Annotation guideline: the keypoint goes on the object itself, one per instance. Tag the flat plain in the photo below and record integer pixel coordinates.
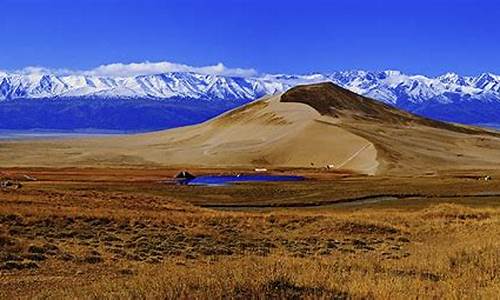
(115, 233)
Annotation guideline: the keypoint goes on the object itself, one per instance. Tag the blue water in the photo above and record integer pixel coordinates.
(219, 180)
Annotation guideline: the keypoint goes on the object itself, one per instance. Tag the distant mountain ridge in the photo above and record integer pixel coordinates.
(449, 97)
(388, 86)
(159, 86)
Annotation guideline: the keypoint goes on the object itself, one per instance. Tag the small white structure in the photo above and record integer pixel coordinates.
(260, 170)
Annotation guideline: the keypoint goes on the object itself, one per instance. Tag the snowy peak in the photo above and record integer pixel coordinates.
(452, 79)
(487, 81)
(160, 86)
(389, 86)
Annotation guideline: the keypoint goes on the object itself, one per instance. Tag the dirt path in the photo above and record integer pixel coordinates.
(354, 155)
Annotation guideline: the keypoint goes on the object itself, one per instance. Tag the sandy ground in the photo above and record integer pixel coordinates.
(266, 133)
(341, 130)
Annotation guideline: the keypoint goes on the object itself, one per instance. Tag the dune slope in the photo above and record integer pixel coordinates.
(308, 126)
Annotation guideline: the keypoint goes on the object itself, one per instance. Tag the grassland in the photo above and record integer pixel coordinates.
(121, 233)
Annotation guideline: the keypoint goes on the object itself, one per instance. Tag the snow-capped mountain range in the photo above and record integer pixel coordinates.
(450, 97)
(389, 86)
(160, 86)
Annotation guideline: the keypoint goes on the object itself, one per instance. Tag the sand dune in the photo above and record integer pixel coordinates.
(309, 126)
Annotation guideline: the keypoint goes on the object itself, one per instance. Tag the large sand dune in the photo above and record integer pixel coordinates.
(309, 126)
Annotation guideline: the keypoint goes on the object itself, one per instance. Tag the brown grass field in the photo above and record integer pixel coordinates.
(122, 234)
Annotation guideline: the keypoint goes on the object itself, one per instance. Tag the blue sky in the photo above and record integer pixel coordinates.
(424, 36)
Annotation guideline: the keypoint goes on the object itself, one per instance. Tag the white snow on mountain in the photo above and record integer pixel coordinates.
(392, 87)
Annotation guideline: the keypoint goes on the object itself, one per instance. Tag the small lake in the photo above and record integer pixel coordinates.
(221, 180)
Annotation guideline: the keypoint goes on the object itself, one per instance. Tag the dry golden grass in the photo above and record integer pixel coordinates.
(120, 240)
(452, 253)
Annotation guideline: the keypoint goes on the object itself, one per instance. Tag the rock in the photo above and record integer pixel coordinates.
(184, 175)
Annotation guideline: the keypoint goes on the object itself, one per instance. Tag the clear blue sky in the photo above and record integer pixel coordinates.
(419, 36)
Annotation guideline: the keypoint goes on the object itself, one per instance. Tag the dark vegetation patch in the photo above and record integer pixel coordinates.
(18, 265)
(284, 288)
(64, 238)
(424, 275)
(356, 227)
